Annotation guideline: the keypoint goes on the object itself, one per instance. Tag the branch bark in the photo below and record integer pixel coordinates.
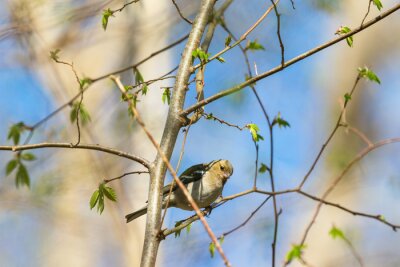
(170, 134)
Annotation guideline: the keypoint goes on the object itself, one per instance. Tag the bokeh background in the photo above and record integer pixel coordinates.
(51, 224)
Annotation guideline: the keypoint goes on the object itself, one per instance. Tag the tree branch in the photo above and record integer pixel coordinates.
(288, 63)
(118, 153)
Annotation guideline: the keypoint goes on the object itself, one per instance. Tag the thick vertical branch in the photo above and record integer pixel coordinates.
(170, 134)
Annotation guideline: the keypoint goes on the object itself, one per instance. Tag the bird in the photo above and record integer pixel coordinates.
(204, 182)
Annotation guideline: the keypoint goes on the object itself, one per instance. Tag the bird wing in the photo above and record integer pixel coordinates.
(190, 175)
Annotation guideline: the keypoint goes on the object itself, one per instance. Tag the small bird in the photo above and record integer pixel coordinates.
(203, 181)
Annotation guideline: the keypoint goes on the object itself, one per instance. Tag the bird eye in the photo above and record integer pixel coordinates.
(222, 167)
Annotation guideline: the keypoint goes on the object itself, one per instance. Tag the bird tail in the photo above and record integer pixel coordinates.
(130, 217)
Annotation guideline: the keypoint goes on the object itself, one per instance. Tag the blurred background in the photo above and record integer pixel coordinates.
(51, 224)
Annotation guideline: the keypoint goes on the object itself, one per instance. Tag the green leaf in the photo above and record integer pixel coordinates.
(166, 96)
(145, 89)
(221, 239)
(85, 81)
(11, 165)
(211, 248)
(344, 30)
(228, 40)
(22, 177)
(54, 54)
(200, 54)
(15, 132)
(100, 204)
(188, 228)
(381, 217)
(336, 232)
(84, 115)
(280, 121)
(28, 156)
(378, 4)
(254, 46)
(347, 97)
(254, 132)
(128, 87)
(178, 232)
(221, 59)
(369, 74)
(106, 14)
(349, 41)
(94, 198)
(295, 252)
(138, 76)
(110, 193)
(263, 168)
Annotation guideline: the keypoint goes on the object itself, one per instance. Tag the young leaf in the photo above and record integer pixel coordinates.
(221, 239)
(54, 54)
(27, 156)
(84, 115)
(85, 81)
(188, 228)
(280, 121)
(254, 132)
(369, 74)
(15, 132)
(343, 30)
(228, 40)
(254, 46)
(211, 248)
(263, 168)
(22, 177)
(110, 193)
(100, 204)
(221, 59)
(94, 199)
(378, 4)
(295, 252)
(166, 96)
(336, 232)
(11, 165)
(106, 14)
(347, 97)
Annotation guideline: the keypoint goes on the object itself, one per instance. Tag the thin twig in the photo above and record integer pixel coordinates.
(123, 175)
(336, 181)
(366, 14)
(125, 5)
(248, 218)
(180, 13)
(287, 63)
(335, 128)
(119, 153)
(210, 116)
(278, 32)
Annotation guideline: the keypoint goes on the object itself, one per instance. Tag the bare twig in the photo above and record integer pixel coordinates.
(366, 14)
(180, 13)
(278, 32)
(123, 175)
(287, 63)
(137, 64)
(210, 116)
(119, 153)
(336, 181)
(125, 5)
(335, 128)
(248, 218)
